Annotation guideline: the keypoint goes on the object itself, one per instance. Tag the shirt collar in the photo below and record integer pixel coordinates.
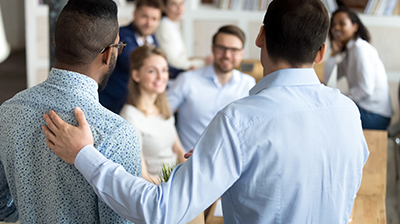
(287, 77)
(168, 20)
(74, 81)
(139, 40)
(351, 43)
(209, 72)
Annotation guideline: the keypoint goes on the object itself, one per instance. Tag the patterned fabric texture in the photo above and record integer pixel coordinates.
(44, 188)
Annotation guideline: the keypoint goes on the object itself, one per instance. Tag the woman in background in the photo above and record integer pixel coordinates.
(366, 75)
(148, 110)
(170, 40)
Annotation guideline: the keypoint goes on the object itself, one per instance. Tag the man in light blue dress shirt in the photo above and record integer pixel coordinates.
(292, 152)
(35, 185)
(198, 95)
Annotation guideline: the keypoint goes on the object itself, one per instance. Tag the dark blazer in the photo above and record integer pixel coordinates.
(115, 94)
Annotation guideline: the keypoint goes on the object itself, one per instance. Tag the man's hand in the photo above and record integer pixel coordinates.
(64, 139)
(189, 154)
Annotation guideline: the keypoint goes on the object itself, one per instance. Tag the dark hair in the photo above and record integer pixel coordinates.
(157, 4)
(83, 29)
(136, 61)
(295, 30)
(233, 30)
(362, 31)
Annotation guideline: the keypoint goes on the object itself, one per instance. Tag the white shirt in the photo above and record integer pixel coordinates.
(366, 75)
(169, 39)
(198, 96)
(292, 152)
(149, 40)
(157, 136)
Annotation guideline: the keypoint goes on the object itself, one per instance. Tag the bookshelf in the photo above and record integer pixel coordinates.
(200, 22)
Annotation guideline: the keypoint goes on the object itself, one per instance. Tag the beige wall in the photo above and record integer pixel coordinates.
(14, 22)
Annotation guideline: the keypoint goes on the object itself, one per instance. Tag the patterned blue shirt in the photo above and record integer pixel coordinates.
(34, 181)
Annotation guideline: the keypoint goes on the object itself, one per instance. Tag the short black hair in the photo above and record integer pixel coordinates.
(362, 31)
(233, 30)
(157, 4)
(83, 29)
(295, 30)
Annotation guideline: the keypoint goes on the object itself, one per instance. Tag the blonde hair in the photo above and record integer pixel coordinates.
(136, 61)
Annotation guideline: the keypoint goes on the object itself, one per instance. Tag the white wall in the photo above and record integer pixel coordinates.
(14, 22)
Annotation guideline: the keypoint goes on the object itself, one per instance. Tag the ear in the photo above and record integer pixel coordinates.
(320, 54)
(134, 14)
(135, 75)
(260, 40)
(107, 56)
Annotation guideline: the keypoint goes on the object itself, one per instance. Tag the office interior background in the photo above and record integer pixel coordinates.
(26, 25)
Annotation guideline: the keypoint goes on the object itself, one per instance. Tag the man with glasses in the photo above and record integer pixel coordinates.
(146, 18)
(35, 185)
(198, 95)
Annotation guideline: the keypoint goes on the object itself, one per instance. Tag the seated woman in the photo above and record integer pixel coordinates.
(366, 75)
(148, 110)
(170, 40)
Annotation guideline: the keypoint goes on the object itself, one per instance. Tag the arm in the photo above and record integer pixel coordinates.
(150, 178)
(214, 166)
(364, 75)
(177, 92)
(177, 148)
(8, 211)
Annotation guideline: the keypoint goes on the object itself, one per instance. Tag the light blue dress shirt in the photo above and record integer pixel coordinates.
(292, 152)
(198, 96)
(42, 187)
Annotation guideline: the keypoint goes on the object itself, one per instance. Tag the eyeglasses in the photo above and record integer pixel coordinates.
(219, 49)
(121, 46)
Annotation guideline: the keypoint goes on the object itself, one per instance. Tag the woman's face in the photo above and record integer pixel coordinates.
(342, 28)
(152, 77)
(174, 9)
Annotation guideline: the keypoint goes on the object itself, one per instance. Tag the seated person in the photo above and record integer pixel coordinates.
(148, 110)
(170, 39)
(201, 93)
(366, 75)
(146, 18)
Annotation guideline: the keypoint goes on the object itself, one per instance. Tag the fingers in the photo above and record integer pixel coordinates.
(189, 154)
(50, 123)
(80, 116)
(58, 122)
(50, 137)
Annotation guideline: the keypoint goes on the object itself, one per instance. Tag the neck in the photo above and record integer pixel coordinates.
(273, 67)
(84, 70)
(146, 104)
(223, 77)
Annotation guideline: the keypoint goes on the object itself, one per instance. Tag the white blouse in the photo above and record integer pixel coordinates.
(169, 39)
(157, 136)
(366, 76)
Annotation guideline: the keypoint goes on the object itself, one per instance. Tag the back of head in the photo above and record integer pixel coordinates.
(233, 30)
(83, 29)
(295, 30)
(362, 31)
(157, 4)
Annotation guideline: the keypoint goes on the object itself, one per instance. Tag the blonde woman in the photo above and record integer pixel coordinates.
(148, 110)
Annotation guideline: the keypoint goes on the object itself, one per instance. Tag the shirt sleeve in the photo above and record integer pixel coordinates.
(177, 92)
(364, 76)
(121, 147)
(213, 168)
(8, 211)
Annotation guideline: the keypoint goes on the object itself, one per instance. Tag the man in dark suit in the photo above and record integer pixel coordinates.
(146, 18)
